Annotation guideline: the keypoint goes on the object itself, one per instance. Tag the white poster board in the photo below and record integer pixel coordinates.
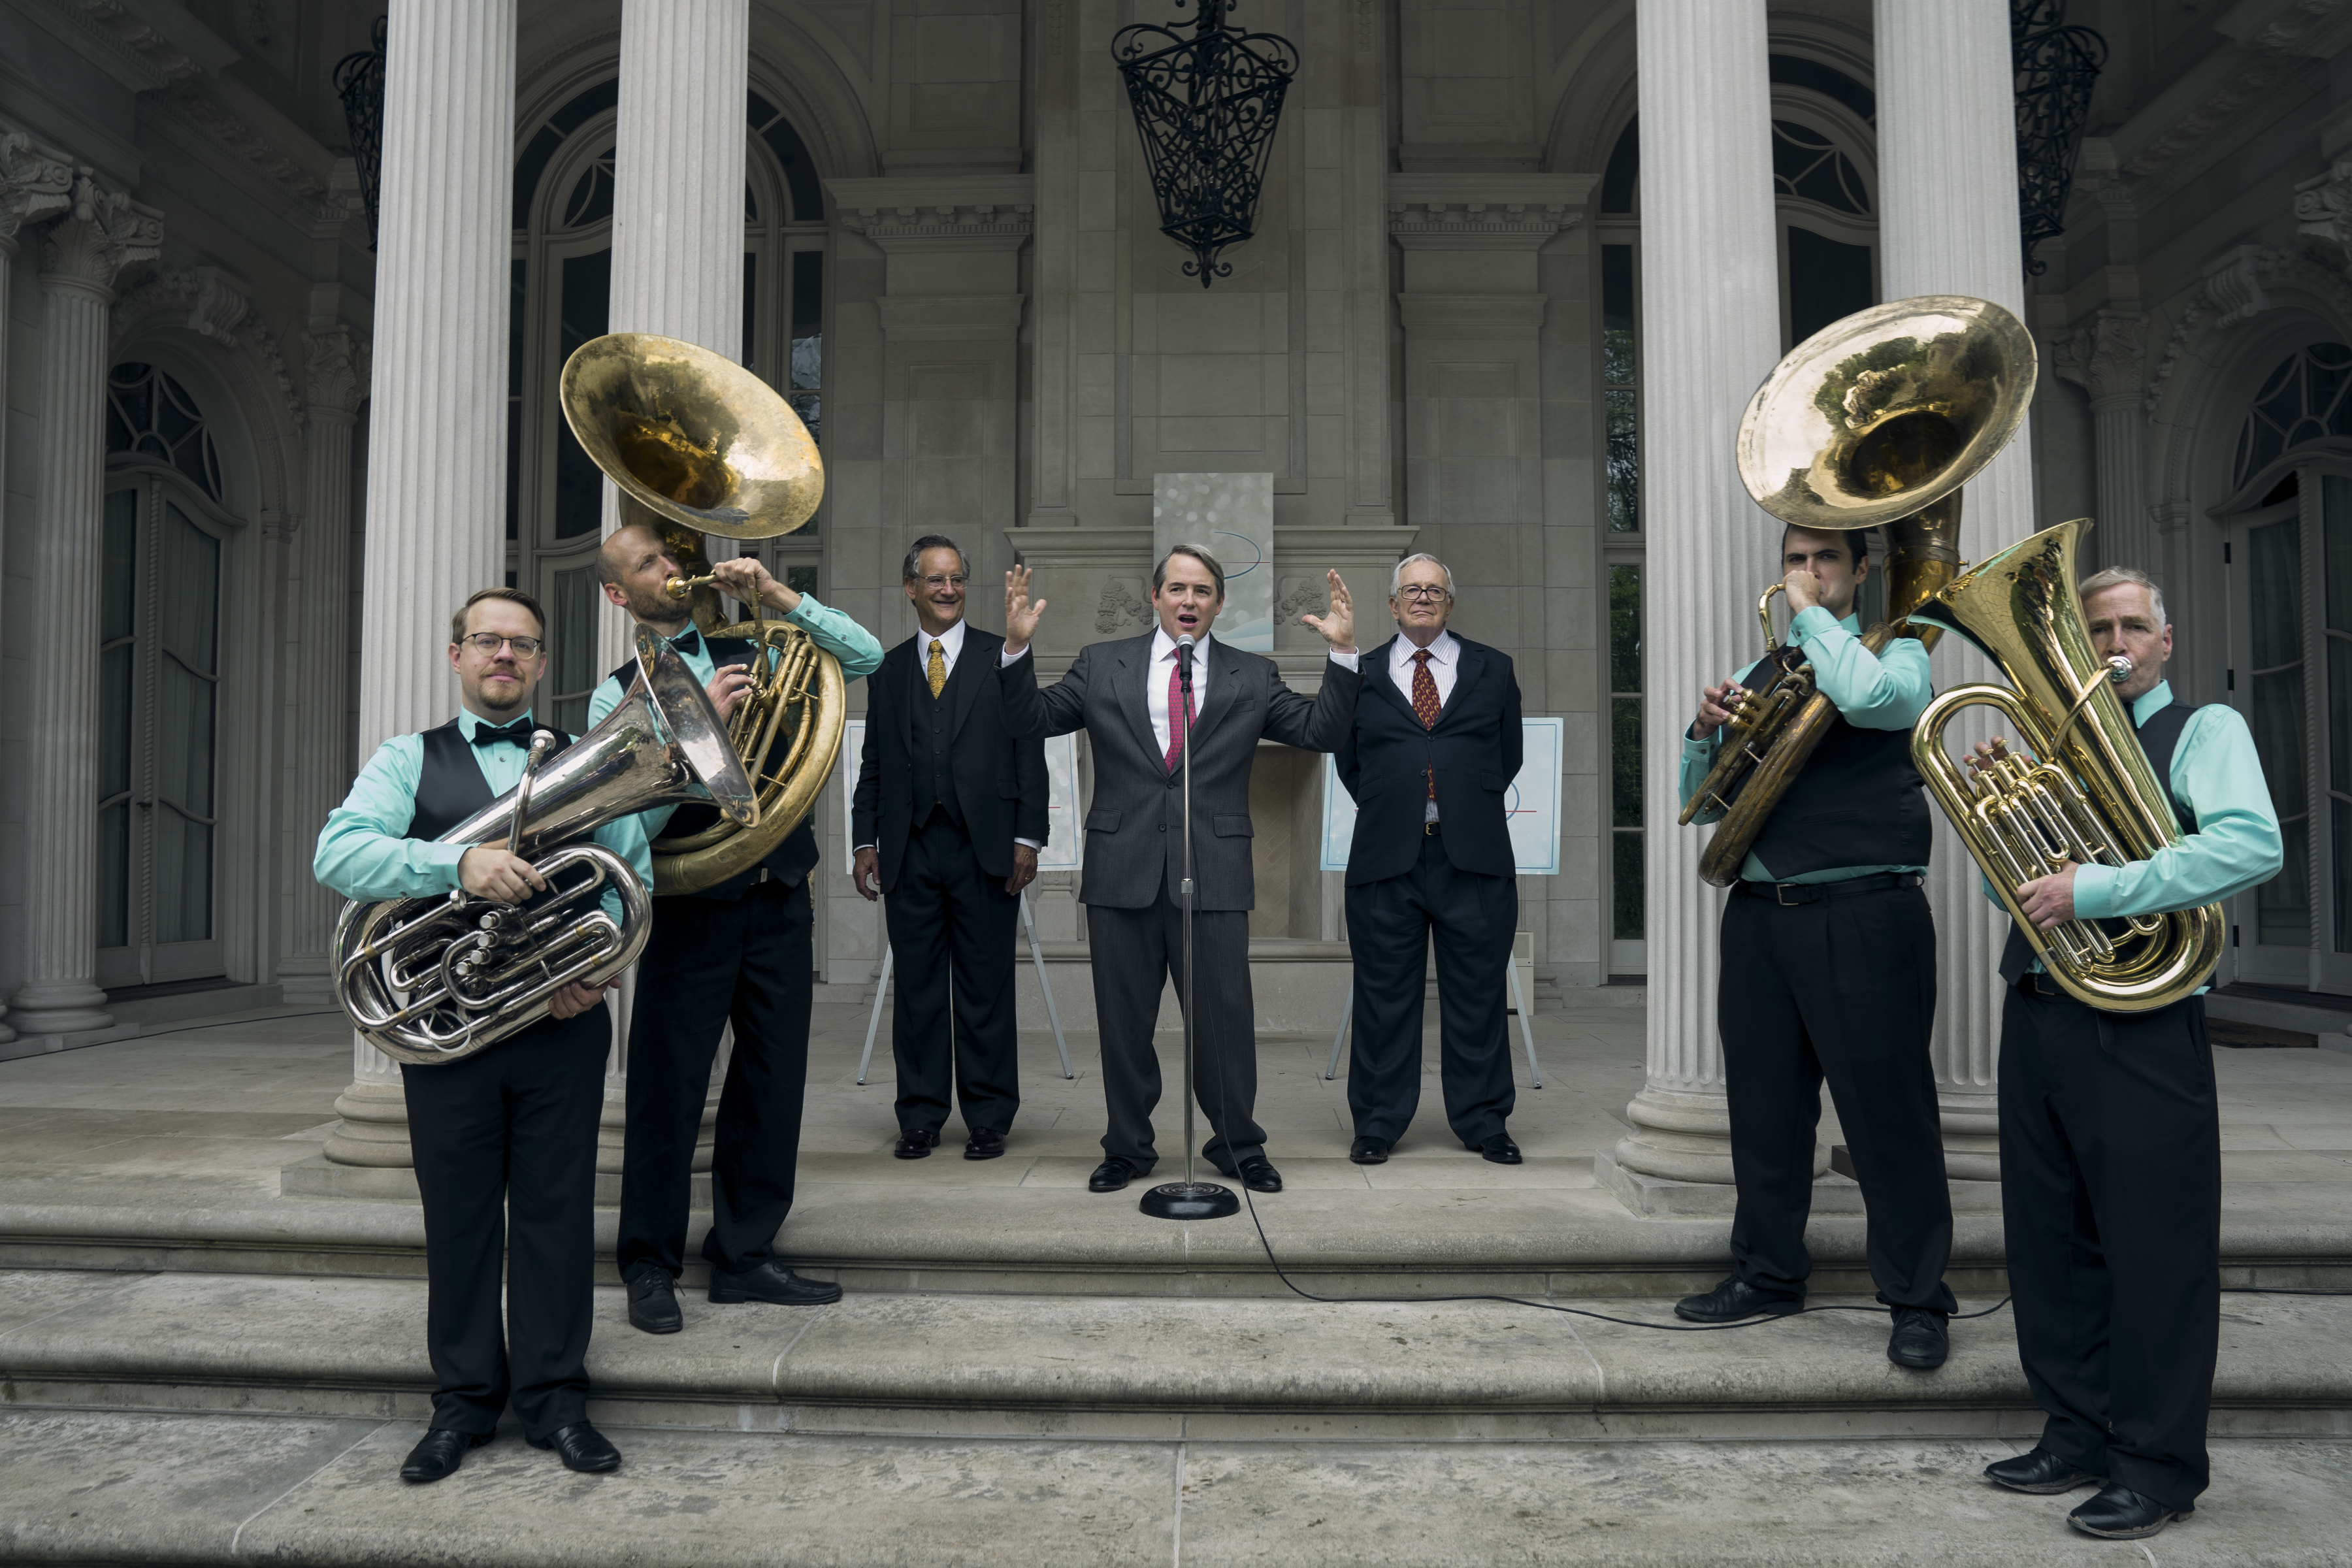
(1064, 844)
(1531, 805)
(1231, 517)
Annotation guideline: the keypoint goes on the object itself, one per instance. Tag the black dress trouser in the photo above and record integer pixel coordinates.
(709, 962)
(1138, 953)
(505, 1143)
(2111, 1204)
(947, 917)
(1842, 989)
(1390, 923)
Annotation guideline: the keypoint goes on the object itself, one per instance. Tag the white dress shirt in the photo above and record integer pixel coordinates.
(1444, 664)
(1163, 660)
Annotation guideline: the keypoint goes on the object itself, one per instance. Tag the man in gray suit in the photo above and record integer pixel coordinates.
(1125, 695)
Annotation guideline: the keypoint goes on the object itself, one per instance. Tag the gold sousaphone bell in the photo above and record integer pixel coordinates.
(1876, 420)
(698, 444)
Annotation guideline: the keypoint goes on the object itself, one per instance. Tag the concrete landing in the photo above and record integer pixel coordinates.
(204, 1490)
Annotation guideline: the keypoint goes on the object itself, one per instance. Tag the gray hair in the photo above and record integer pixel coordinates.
(1160, 573)
(912, 567)
(1396, 577)
(2121, 576)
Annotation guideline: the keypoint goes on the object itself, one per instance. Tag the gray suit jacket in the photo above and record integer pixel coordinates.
(1135, 828)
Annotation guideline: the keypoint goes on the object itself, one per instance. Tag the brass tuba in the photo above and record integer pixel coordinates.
(2086, 793)
(435, 979)
(1875, 420)
(698, 444)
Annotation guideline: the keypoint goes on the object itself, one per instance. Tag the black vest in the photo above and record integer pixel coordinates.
(2159, 737)
(929, 746)
(449, 782)
(1859, 801)
(790, 861)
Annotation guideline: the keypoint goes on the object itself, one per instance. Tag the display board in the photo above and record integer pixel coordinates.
(1231, 516)
(1532, 803)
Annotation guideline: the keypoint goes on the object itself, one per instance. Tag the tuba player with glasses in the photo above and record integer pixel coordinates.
(1829, 971)
(2110, 1136)
(504, 1139)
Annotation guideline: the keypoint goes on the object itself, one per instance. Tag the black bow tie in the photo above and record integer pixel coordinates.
(687, 642)
(519, 733)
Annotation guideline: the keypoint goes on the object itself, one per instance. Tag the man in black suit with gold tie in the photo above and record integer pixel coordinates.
(948, 816)
(1435, 745)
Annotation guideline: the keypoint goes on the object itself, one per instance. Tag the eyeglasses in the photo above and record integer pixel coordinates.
(955, 582)
(490, 642)
(1425, 593)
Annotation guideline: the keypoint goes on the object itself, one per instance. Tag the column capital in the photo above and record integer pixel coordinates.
(35, 183)
(2107, 359)
(335, 372)
(100, 233)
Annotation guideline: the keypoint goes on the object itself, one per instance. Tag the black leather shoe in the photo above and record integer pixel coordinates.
(985, 1144)
(1369, 1151)
(438, 1455)
(1920, 1341)
(773, 1283)
(1499, 1149)
(581, 1448)
(916, 1145)
(2040, 1472)
(2120, 1513)
(1111, 1175)
(653, 1303)
(1733, 1299)
(1258, 1175)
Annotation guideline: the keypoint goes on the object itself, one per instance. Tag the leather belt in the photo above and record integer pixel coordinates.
(1789, 894)
(1429, 830)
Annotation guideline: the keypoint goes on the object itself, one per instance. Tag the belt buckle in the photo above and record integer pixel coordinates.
(1429, 830)
(1780, 895)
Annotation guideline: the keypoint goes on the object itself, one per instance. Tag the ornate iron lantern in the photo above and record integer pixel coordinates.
(358, 81)
(1206, 107)
(2057, 66)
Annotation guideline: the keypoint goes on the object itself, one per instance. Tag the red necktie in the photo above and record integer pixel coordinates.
(1178, 700)
(1424, 705)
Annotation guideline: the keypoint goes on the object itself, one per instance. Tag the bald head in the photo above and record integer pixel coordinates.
(635, 565)
(623, 548)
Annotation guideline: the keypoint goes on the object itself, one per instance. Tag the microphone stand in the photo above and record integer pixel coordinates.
(1189, 1198)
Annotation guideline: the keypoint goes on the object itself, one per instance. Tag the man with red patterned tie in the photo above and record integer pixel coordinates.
(1429, 760)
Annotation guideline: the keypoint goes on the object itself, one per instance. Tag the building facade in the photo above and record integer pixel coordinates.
(252, 455)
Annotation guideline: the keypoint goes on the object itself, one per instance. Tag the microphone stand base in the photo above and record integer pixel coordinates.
(1190, 1200)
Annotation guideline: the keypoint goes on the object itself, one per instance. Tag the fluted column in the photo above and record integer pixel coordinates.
(436, 460)
(1710, 333)
(335, 373)
(33, 185)
(101, 232)
(1947, 200)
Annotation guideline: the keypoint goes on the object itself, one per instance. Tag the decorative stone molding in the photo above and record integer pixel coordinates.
(2323, 211)
(2271, 40)
(957, 226)
(34, 184)
(173, 287)
(2235, 289)
(101, 233)
(1472, 315)
(148, 51)
(2233, 285)
(2108, 358)
(220, 302)
(921, 213)
(1484, 211)
(233, 130)
(1121, 607)
(335, 370)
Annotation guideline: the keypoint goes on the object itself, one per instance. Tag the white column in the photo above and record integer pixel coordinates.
(1710, 334)
(336, 375)
(100, 233)
(1947, 200)
(33, 185)
(436, 460)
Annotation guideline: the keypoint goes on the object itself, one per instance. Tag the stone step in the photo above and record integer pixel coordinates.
(1122, 1369)
(324, 1492)
(882, 1235)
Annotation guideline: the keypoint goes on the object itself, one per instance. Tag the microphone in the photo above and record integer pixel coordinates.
(1184, 659)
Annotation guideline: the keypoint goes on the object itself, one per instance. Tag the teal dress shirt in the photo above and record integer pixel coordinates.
(2218, 776)
(831, 630)
(365, 851)
(1885, 691)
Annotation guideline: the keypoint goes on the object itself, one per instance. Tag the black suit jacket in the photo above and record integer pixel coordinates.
(1476, 749)
(999, 779)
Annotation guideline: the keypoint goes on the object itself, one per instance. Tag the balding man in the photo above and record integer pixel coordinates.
(741, 953)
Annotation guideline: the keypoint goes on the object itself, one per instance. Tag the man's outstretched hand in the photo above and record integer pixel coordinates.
(1339, 627)
(1021, 616)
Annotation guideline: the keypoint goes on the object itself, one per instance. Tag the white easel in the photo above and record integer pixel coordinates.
(1518, 1006)
(1036, 957)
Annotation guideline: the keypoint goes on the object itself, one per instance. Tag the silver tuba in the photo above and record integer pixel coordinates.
(435, 979)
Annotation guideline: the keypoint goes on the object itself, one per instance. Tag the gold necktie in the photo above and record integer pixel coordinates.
(937, 669)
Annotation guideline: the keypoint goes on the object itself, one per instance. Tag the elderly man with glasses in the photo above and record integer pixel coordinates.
(1429, 760)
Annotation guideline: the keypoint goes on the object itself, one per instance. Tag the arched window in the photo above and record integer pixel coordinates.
(159, 651)
(562, 284)
(2290, 578)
